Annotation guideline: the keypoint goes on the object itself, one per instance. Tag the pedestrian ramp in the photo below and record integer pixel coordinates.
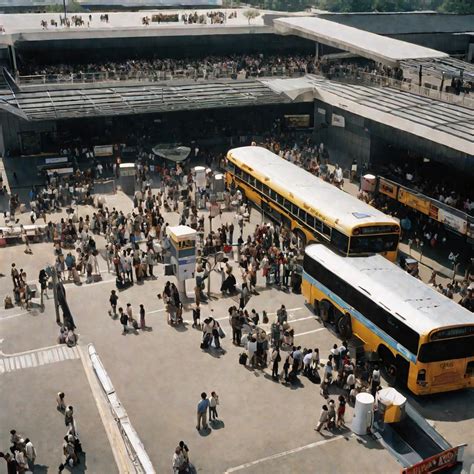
(36, 358)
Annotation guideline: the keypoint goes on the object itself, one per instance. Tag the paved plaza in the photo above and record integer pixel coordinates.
(263, 426)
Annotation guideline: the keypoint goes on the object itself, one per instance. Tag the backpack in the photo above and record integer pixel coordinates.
(123, 319)
(243, 358)
(8, 302)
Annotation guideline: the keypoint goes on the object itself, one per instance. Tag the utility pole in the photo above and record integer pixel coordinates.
(54, 277)
(65, 9)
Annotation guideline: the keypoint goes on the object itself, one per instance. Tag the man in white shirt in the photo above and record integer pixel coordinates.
(307, 360)
(30, 454)
(338, 177)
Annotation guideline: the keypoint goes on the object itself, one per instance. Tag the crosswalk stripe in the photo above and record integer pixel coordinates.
(28, 360)
(65, 352)
(56, 357)
(37, 358)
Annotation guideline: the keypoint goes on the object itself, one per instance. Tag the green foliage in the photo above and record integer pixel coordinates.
(457, 6)
(251, 14)
(71, 7)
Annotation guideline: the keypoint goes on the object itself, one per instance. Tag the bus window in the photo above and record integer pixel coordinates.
(339, 240)
(287, 205)
(448, 349)
(259, 185)
(273, 194)
(251, 181)
(310, 220)
(295, 209)
(280, 199)
(326, 230)
(265, 190)
(302, 215)
(238, 172)
(374, 243)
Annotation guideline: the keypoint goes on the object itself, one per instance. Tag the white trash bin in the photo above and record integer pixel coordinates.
(363, 413)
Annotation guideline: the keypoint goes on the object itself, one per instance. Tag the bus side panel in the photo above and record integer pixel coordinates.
(250, 193)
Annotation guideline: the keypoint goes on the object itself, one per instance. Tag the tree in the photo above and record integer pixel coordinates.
(251, 14)
(457, 6)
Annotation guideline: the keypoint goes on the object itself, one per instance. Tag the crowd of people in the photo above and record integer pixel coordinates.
(421, 180)
(248, 65)
(22, 455)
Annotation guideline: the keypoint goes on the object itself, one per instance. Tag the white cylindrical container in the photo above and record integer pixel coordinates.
(200, 173)
(363, 413)
(368, 183)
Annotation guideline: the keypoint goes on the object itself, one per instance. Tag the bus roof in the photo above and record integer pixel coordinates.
(338, 207)
(408, 299)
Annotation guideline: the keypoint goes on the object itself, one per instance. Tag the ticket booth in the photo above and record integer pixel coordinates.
(182, 240)
(127, 178)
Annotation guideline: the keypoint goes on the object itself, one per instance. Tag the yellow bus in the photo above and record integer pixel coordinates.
(313, 209)
(423, 339)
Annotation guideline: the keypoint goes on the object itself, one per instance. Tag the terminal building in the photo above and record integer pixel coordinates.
(359, 117)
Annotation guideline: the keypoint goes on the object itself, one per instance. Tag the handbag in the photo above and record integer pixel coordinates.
(221, 333)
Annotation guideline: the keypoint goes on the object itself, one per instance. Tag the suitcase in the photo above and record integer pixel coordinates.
(206, 341)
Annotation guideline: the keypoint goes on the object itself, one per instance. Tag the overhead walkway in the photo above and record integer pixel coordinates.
(379, 48)
(446, 124)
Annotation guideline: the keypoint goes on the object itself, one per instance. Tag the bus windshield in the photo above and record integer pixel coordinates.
(447, 349)
(374, 243)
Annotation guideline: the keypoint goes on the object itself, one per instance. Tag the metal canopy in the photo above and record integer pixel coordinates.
(51, 104)
(447, 124)
(379, 48)
(451, 67)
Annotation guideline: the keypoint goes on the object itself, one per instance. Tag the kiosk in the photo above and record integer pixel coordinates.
(127, 178)
(182, 240)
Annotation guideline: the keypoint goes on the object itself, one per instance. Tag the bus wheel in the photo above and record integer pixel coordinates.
(344, 326)
(389, 364)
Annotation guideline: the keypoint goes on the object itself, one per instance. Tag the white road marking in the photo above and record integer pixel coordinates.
(309, 332)
(37, 357)
(11, 316)
(284, 453)
(288, 310)
(156, 311)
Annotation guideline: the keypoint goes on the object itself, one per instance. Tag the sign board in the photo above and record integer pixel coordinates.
(338, 121)
(215, 209)
(454, 222)
(388, 188)
(418, 202)
(59, 159)
(104, 150)
(435, 463)
(298, 121)
(322, 111)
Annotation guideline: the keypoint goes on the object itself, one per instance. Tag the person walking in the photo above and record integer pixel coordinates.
(202, 407)
(142, 318)
(374, 380)
(30, 452)
(61, 405)
(213, 402)
(113, 303)
(276, 358)
(43, 281)
(323, 419)
(341, 410)
(123, 320)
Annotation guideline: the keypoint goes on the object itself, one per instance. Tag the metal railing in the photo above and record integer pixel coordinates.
(369, 79)
(190, 73)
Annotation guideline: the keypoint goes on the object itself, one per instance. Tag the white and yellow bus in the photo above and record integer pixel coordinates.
(313, 209)
(424, 339)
